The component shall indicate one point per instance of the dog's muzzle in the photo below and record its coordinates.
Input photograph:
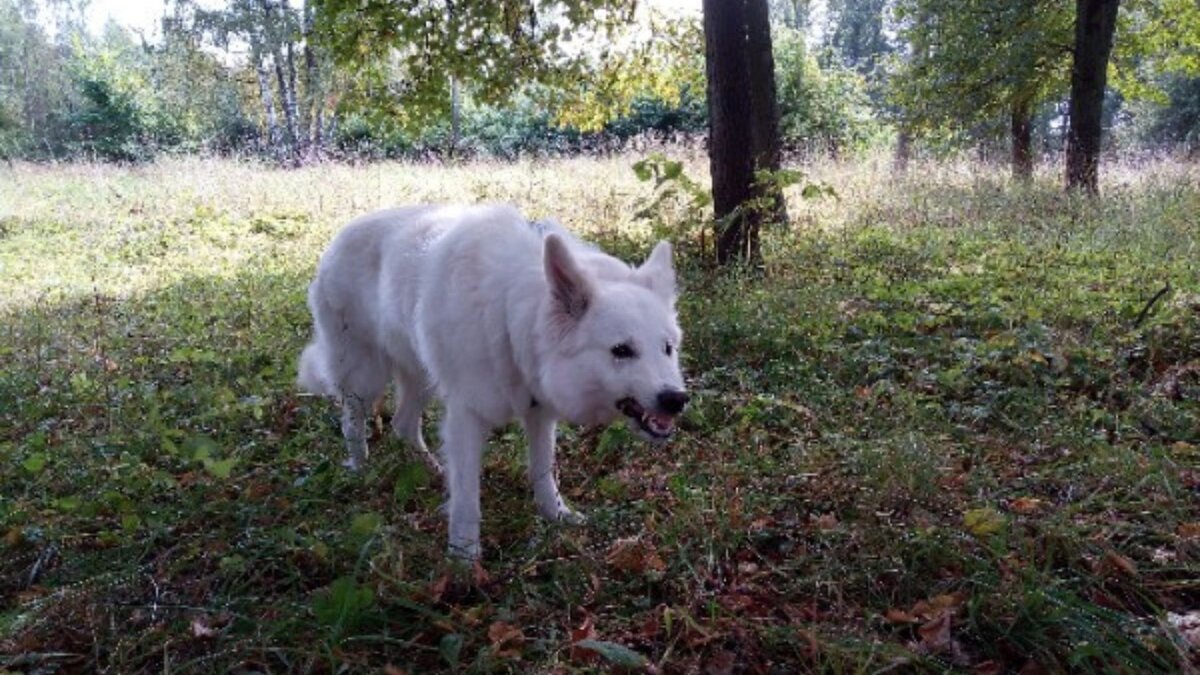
(659, 423)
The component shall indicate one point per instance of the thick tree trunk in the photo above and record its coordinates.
(1022, 141)
(730, 141)
(1095, 24)
(743, 124)
(764, 105)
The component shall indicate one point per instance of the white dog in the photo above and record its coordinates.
(503, 319)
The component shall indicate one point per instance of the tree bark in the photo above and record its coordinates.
(309, 120)
(455, 116)
(903, 151)
(285, 71)
(1022, 141)
(730, 142)
(268, 101)
(743, 124)
(764, 105)
(314, 92)
(1095, 24)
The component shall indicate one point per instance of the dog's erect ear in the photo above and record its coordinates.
(658, 273)
(571, 288)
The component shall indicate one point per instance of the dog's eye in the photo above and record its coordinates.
(669, 349)
(623, 351)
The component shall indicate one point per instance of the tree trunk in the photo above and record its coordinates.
(1095, 24)
(730, 141)
(313, 95)
(285, 71)
(764, 106)
(268, 101)
(903, 151)
(455, 116)
(1022, 141)
(743, 124)
(298, 139)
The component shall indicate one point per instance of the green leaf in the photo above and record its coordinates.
(616, 654)
(672, 170)
(366, 524)
(343, 604)
(67, 504)
(983, 522)
(450, 647)
(220, 468)
(35, 463)
(409, 479)
(201, 447)
(642, 170)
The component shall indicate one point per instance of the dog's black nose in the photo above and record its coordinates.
(672, 401)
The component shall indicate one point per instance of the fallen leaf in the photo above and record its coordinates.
(585, 631)
(1114, 564)
(651, 625)
(634, 556)
(899, 616)
(1188, 530)
(826, 522)
(506, 639)
(935, 634)
(983, 522)
(1026, 505)
(389, 669)
(938, 605)
(988, 667)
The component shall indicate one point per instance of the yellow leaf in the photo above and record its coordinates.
(983, 522)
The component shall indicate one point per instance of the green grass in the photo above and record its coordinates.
(932, 437)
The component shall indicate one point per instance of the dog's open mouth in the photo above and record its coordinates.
(657, 425)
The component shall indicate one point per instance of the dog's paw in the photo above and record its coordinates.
(464, 550)
(353, 465)
(571, 517)
(561, 513)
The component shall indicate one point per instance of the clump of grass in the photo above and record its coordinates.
(933, 435)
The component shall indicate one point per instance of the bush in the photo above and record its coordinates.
(820, 109)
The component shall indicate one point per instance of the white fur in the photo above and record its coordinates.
(502, 319)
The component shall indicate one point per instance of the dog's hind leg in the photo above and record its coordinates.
(463, 437)
(412, 396)
(360, 385)
(354, 430)
(540, 431)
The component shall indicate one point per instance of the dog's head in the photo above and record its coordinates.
(614, 340)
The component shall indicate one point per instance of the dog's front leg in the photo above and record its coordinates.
(540, 430)
(463, 437)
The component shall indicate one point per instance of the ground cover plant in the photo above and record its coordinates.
(954, 424)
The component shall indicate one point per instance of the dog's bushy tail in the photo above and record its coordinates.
(312, 370)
